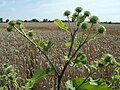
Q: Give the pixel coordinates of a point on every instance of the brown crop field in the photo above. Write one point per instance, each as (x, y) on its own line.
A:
(17, 51)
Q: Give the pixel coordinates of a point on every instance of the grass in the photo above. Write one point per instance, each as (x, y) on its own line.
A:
(17, 51)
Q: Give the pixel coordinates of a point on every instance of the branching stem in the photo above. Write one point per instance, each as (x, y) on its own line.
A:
(23, 34)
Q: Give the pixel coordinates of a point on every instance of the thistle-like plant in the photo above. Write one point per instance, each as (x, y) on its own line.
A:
(79, 36)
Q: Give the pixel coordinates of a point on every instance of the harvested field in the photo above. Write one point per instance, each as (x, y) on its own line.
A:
(16, 50)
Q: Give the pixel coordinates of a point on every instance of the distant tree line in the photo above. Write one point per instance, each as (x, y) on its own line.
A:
(46, 20)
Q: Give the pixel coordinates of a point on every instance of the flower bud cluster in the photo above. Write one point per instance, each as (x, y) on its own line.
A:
(79, 18)
(107, 60)
(7, 74)
(12, 23)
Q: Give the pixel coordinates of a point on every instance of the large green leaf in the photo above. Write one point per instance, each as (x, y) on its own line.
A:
(90, 85)
(38, 75)
(98, 84)
(60, 24)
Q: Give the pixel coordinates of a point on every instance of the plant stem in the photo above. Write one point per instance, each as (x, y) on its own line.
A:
(72, 42)
(70, 50)
(68, 22)
(59, 82)
(67, 63)
(83, 81)
(23, 34)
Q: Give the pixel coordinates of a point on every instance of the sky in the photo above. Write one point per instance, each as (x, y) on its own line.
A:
(106, 10)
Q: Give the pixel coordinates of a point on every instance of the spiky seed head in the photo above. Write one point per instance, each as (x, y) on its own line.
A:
(30, 34)
(19, 22)
(12, 22)
(101, 30)
(9, 28)
(84, 25)
(78, 9)
(75, 14)
(94, 19)
(86, 13)
(67, 13)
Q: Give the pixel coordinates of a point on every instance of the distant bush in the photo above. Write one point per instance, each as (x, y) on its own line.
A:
(1, 19)
(34, 20)
(45, 20)
(110, 22)
(7, 20)
(25, 20)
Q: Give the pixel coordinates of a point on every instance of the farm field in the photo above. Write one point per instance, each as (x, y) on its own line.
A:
(17, 51)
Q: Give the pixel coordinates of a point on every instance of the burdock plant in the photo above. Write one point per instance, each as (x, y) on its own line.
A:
(80, 34)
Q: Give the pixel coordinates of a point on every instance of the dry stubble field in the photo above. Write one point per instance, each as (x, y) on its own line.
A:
(17, 51)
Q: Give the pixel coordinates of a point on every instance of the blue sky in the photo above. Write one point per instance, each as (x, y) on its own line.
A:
(106, 10)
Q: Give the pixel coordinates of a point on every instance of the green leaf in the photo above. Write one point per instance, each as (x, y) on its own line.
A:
(47, 46)
(90, 85)
(40, 43)
(38, 75)
(60, 24)
(67, 44)
(76, 41)
(66, 58)
(78, 81)
(97, 81)
(44, 45)
(80, 59)
(69, 85)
